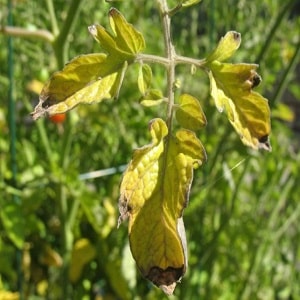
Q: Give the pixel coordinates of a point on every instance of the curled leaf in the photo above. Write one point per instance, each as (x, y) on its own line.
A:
(226, 47)
(189, 113)
(248, 111)
(154, 191)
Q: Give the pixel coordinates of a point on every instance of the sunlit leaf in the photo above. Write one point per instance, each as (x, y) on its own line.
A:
(127, 37)
(154, 191)
(92, 93)
(189, 113)
(226, 47)
(108, 42)
(248, 111)
(144, 78)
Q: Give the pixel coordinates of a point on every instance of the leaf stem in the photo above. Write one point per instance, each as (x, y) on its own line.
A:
(178, 59)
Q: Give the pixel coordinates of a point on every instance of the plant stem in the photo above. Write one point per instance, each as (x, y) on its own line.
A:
(170, 54)
(60, 45)
(55, 29)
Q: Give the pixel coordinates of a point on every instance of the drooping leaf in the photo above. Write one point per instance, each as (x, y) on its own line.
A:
(127, 37)
(144, 78)
(189, 113)
(154, 191)
(226, 47)
(248, 111)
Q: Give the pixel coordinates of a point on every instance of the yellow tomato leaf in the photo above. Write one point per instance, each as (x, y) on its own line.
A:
(108, 42)
(189, 114)
(94, 92)
(226, 47)
(128, 39)
(83, 252)
(154, 191)
(248, 111)
(144, 78)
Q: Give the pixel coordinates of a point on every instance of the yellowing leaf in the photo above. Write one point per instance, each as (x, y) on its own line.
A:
(127, 37)
(248, 111)
(83, 252)
(92, 93)
(144, 78)
(189, 114)
(108, 42)
(226, 47)
(154, 192)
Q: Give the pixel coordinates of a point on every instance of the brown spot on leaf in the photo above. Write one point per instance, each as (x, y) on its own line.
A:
(166, 279)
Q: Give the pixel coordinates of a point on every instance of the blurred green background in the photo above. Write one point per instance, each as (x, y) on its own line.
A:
(58, 235)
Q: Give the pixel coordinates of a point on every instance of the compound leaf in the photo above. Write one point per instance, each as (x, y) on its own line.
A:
(154, 191)
(248, 111)
(189, 113)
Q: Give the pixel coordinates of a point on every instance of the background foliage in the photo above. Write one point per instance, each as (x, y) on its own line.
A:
(242, 221)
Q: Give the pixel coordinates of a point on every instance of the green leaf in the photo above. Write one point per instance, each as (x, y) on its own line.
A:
(14, 223)
(144, 78)
(248, 111)
(226, 47)
(128, 39)
(189, 114)
(154, 192)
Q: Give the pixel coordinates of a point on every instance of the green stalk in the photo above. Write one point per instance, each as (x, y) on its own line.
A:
(60, 45)
(54, 25)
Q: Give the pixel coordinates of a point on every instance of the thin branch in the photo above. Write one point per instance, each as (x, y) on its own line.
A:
(41, 34)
